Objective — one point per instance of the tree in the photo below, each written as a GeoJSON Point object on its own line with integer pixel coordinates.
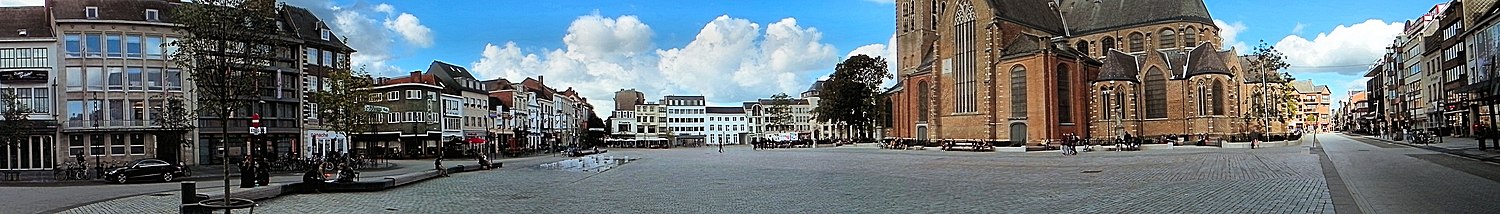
{"type": "Point", "coordinates": [779, 112]}
{"type": "Point", "coordinates": [225, 45]}
{"type": "Point", "coordinates": [852, 95]}
{"type": "Point", "coordinates": [15, 128]}
{"type": "Point", "coordinates": [176, 120]}
{"type": "Point", "coordinates": [1274, 99]}
{"type": "Point", "coordinates": [343, 107]}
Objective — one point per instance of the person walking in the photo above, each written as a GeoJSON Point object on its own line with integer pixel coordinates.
{"type": "Point", "coordinates": [721, 147]}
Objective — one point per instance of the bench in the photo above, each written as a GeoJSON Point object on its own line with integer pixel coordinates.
{"type": "Point", "coordinates": [967, 145]}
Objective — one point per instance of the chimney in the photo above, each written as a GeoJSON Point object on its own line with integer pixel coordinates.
{"type": "Point", "coordinates": [541, 79]}
{"type": "Point", "coordinates": [415, 75]}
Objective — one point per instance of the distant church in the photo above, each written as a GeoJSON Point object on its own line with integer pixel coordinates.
{"type": "Point", "coordinates": [1033, 70]}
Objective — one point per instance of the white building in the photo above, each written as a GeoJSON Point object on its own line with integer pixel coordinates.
{"type": "Point", "coordinates": [685, 117]}
{"type": "Point", "coordinates": [725, 125]}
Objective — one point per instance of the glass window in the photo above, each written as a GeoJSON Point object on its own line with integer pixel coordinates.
{"type": "Point", "coordinates": [1137, 42]}
{"type": "Point", "coordinates": [1018, 91]}
{"type": "Point", "coordinates": [117, 144]}
{"type": "Point", "coordinates": [171, 49]}
{"type": "Point", "coordinates": [112, 45]}
{"type": "Point", "coordinates": [153, 79]}
{"type": "Point", "coordinates": [75, 78]}
{"type": "Point", "coordinates": [174, 79]}
{"type": "Point", "coordinates": [153, 47]}
{"type": "Point", "coordinates": [95, 78]}
{"type": "Point", "coordinates": [1168, 39]}
{"type": "Point", "coordinates": [75, 110]}
{"type": "Point", "coordinates": [96, 145]}
{"type": "Point", "coordinates": [93, 44]}
{"type": "Point", "coordinates": [1190, 37]}
{"type": "Point", "coordinates": [116, 111]}
{"type": "Point", "coordinates": [73, 43]}
{"type": "Point", "coordinates": [133, 46]}
{"type": "Point", "coordinates": [41, 101]}
{"type": "Point", "coordinates": [1064, 94]}
{"type": "Point", "coordinates": [1156, 94]}
{"type": "Point", "coordinates": [116, 75]}
{"type": "Point", "coordinates": [134, 78]}
{"type": "Point", "coordinates": [310, 56]}
{"type": "Point", "coordinates": [327, 58]}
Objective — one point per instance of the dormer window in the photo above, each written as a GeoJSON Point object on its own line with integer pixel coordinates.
{"type": "Point", "coordinates": [21, 32]}
{"type": "Point", "coordinates": [91, 12]}
{"type": "Point", "coordinates": [152, 15]}
{"type": "Point", "coordinates": [325, 34]}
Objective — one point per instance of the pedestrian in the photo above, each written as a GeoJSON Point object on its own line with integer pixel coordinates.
{"type": "Point", "coordinates": [721, 147]}
{"type": "Point", "coordinates": [438, 163]}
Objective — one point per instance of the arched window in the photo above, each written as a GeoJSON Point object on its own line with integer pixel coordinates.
{"type": "Point", "coordinates": [1082, 47]}
{"type": "Point", "coordinates": [1190, 37]}
{"type": "Point", "coordinates": [1137, 42]}
{"type": "Point", "coordinates": [1203, 100]}
{"type": "Point", "coordinates": [924, 95]}
{"type": "Point", "coordinates": [1219, 98]}
{"type": "Point", "coordinates": [1156, 94]}
{"type": "Point", "coordinates": [1106, 44]}
{"type": "Point", "coordinates": [1105, 105]}
{"type": "Point", "coordinates": [1018, 91]}
{"type": "Point", "coordinates": [1168, 39]}
{"type": "Point", "coordinates": [1064, 94]}
{"type": "Point", "coordinates": [964, 61]}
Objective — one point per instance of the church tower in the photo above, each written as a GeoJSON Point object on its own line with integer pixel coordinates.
{"type": "Point", "coordinates": [915, 32]}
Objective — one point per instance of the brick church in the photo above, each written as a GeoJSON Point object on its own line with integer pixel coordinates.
{"type": "Point", "coordinates": [1034, 70]}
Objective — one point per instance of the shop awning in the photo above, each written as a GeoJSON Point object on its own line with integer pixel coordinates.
{"type": "Point", "coordinates": [475, 140]}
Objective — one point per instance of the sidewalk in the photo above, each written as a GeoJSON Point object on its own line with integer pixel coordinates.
{"type": "Point", "coordinates": [1461, 146]}
{"type": "Point", "coordinates": [199, 173]}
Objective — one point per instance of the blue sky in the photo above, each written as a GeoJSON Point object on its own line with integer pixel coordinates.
{"type": "Point", "coordinates": [741, 50]}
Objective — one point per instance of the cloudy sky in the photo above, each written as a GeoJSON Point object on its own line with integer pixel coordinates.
{"type": "Point", "coordinates": [731, 51]}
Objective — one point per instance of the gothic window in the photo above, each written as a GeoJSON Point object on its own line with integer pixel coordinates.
{"type": "Point", "coordinates": [1190, 36]}
{"type": "Point", "coordinates": [1156, 94]}
{"type": "Point", "coordinates": [964, 86]}
{"type": "Point", "coordinates": [1104, 46]}
{"type": "Point", "coordinates": [1082, 47]}
{"type": "Point", "coordinates": [1219, 98]}
{"type": "Point", "coordinates": [1168, 39]}
{"type": "Point", "coordinates": [1064, 94]}
{"type": "Point", "coordinates": [924, 95]}
{"type": "Point", "coordinates": [1104, 104]}
{"type": "Point", "coordinates": [1203, 100]}
{"type": "Point", "coordinates": [1137, 42]}
{"type": "Point", "coordinates": [1018, 91]}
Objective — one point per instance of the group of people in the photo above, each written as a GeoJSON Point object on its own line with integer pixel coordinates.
{"type": "Point", "coordinates": [1070, 144]}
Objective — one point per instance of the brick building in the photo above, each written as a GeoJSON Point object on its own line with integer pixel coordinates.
{"type": "Point", "coordinates": [1029, 71]}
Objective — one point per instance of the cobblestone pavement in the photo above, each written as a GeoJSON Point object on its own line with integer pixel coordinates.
{"type": "Point", "coordinates": [49, 198]}
{"type": "Point", "coordinates": [854, 180]}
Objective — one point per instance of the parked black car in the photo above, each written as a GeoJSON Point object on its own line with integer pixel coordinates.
{"type": "Point", "coordinates": [152, 169]}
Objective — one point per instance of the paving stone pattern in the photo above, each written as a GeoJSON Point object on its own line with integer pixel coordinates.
{"type": "Point", "coordinates": [851, 180]}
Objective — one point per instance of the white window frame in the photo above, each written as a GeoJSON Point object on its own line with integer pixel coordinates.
{"type": "Point", "coordinates": [152, 15]}
{"type": "Point", "coordinates": [91, 12]}
{"type": "Point", "coordinates": [391, 96]}
{"type": "Point", "coordinates": [326, 34]}
{"type": "Point", "coordinates": [413, 95]}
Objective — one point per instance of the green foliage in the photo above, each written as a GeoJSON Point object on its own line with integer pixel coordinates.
{"type": "Point", "coordinates": [176, 119]}
{"type": "Point", "coordinates": [779, 112]}
{"type": "Point", "coordinates": [14, 127]}
{"type": "Point", "coordinates": [225, 45]}
{"type": "Point", "coordinates": [342, 108]}
{"type": "Point", "coordinates": [852, 95]}
{"type": "Point", "coordinates": [1273, 99]}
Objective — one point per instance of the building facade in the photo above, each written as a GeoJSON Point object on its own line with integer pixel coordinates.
{"type": "Point", "coordinates": [28, 58]}
{"type": "Point", "coordinates": [725, 125]}
{"type": "Point", "coordinates": [1088, 68]}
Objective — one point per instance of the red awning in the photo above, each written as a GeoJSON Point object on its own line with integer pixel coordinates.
{"type": "Point", "coordinates": [476, 140]}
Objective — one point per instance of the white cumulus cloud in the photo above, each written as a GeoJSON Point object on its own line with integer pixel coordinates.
{"type": "Point", "coordinates": [1341, 50]}
{"type": "Point", "coordinates": [730, 60]}
{"type": "Point", "coordinates": [410, 28]}
{"type": "Point", "coordinates": [368, 31]}
{"type": "Point", "coordinates": [14, 3]}
{"type": "Point", "coordinates": [1230, 32]}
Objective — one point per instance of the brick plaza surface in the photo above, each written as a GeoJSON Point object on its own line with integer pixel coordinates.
{"type": "Point", "coordinates": [851, 180]}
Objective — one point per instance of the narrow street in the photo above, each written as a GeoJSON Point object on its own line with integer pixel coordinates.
{"type": "Point", "coordinates": [1392, 178]}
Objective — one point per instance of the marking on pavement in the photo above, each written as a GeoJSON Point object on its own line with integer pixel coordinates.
{"type": "Point", "coordinates": [1092, 171]}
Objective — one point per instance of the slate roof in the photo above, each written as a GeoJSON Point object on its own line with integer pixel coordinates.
{"type": "Point", "coordinates": [724, 110]}
{"type": "Point", "coordinates": [124, 10]}
{"type": "Point", "coordinates": [33, 19]}
{"type": "Point", "coordinates": [1119, 66]}
{"type": "Point", "coordinates": [767, 102]}
{"type": "Point", "coordinates": [498, 84]}
{"type": "Point", "coordinates": [1031, 13]}
{"type": "Point", "coordinates": [309, 28]}
{"type": "Point", "coordinates": [1206, 59]}
{"type": "Point", "coordinates": [1090, 16]}
{"type": "Point", "coordinates": [1307, 87]}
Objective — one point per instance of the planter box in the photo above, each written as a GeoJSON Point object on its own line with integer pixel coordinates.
{"type": "Point", "coordinates": [1011, 149]}
{"type": "Point", "coordinates": [1156, 146]}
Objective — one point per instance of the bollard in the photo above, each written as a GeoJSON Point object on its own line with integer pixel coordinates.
{"type": "Point", "coordinates": [189, 192]}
